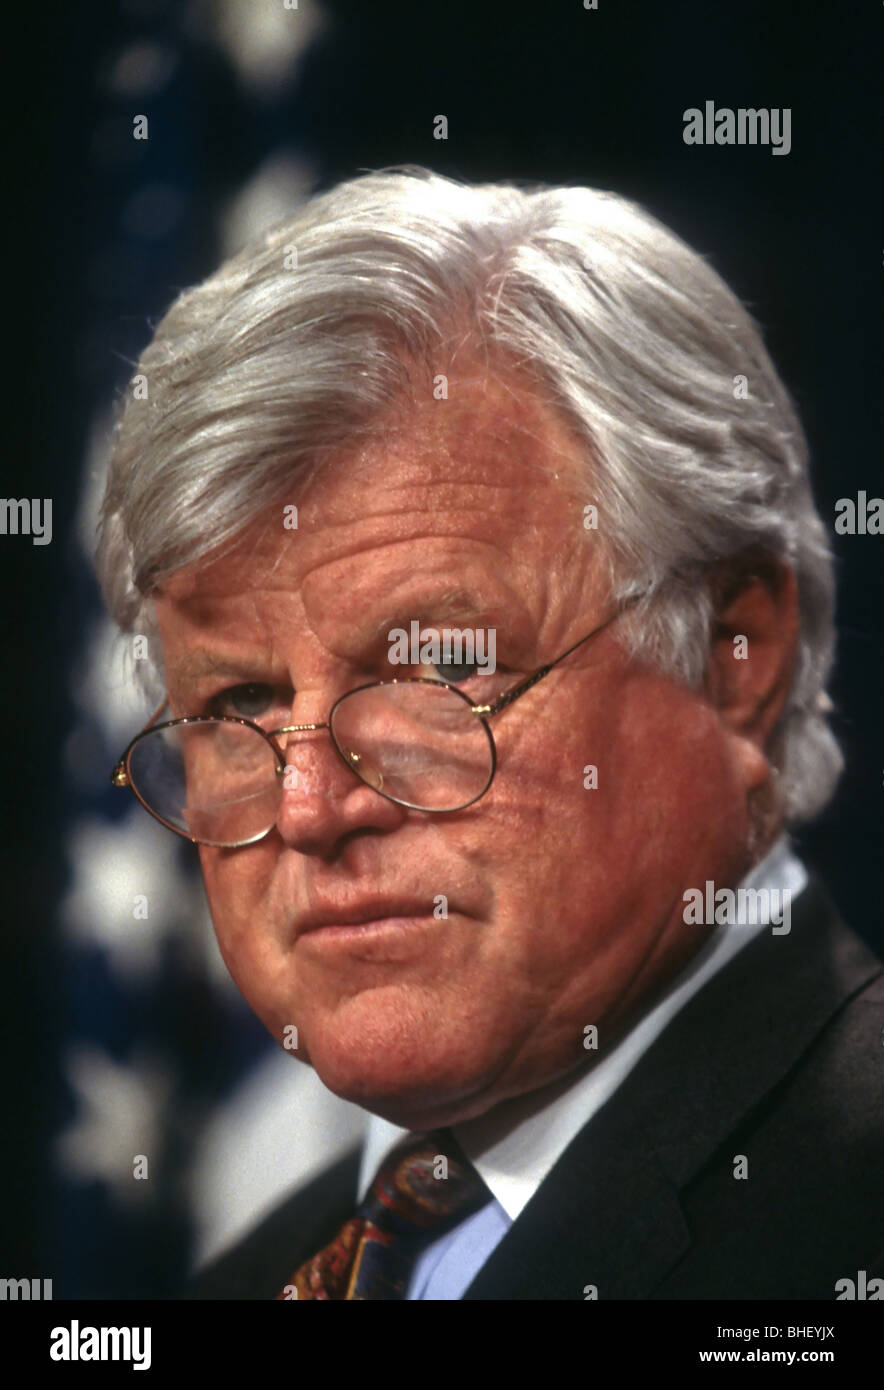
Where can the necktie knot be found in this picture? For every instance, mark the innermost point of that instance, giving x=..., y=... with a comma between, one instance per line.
x=424, y=1186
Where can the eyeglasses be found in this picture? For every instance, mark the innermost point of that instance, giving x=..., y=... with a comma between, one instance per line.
x=419, y=742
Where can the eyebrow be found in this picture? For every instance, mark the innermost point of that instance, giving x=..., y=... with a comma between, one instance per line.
x=456, y=606
x=202, y=661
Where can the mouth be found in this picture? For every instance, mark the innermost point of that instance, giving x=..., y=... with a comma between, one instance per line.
x=365, y=920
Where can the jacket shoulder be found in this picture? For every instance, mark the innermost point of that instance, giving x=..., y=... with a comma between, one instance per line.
x=792, y=1201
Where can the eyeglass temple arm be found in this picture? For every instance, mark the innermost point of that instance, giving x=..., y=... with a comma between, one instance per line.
x=509, y=696
x=120, y=777
x=156, y=714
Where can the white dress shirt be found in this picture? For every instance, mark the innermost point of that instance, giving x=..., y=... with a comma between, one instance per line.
x=516, y=1145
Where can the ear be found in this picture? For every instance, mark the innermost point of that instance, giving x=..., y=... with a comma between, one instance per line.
x=753, y=650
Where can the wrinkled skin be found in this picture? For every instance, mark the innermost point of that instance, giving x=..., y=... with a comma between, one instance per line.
x=565, y=904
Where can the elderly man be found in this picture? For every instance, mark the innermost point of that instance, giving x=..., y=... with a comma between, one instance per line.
x=520, y=885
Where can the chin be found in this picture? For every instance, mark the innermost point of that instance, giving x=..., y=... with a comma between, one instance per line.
x=415, y=1091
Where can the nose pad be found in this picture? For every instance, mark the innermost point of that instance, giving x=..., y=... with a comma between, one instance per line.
x=306, y=757
x=368, y=774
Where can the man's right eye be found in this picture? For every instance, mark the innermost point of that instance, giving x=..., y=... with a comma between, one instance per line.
x=242, y=701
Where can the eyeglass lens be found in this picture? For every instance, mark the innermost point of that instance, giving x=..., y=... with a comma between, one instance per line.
x=418, y=743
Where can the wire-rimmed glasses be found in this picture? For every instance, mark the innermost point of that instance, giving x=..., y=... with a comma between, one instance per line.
x=418, y=741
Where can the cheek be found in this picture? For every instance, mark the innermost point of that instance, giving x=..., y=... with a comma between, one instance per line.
x=236, y=883
x=549, y=772
x=538, y=835
x=620, y=791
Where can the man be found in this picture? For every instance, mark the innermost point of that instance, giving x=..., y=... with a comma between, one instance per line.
x=537, y=914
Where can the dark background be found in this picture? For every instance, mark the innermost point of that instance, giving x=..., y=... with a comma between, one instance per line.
x=532, y=91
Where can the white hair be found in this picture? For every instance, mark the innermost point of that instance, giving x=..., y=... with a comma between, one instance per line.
x=295, y=347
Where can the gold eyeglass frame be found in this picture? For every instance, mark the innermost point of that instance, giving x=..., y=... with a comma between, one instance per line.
x=120, y=775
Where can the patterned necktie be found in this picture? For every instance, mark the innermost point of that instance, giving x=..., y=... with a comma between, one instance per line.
x=423, y=1188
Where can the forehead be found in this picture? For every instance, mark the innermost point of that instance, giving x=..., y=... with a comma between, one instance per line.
x=477, y=496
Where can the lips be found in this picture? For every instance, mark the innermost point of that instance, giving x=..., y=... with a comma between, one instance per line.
x=358, y=914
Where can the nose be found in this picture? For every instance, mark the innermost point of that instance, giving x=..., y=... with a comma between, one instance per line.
x=322, y=802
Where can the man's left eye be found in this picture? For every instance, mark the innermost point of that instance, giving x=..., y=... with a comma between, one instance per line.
x=455, y=672
x=242, y=701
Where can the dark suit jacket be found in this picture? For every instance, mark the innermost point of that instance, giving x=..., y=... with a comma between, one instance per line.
x=780, y=1058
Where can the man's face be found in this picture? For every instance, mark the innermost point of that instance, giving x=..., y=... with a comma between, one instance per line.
x=564, y=902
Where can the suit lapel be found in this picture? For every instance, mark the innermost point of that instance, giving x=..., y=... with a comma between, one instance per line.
x=608, y=1214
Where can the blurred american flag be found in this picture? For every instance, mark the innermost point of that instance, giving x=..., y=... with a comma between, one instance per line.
x=180, y=1121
